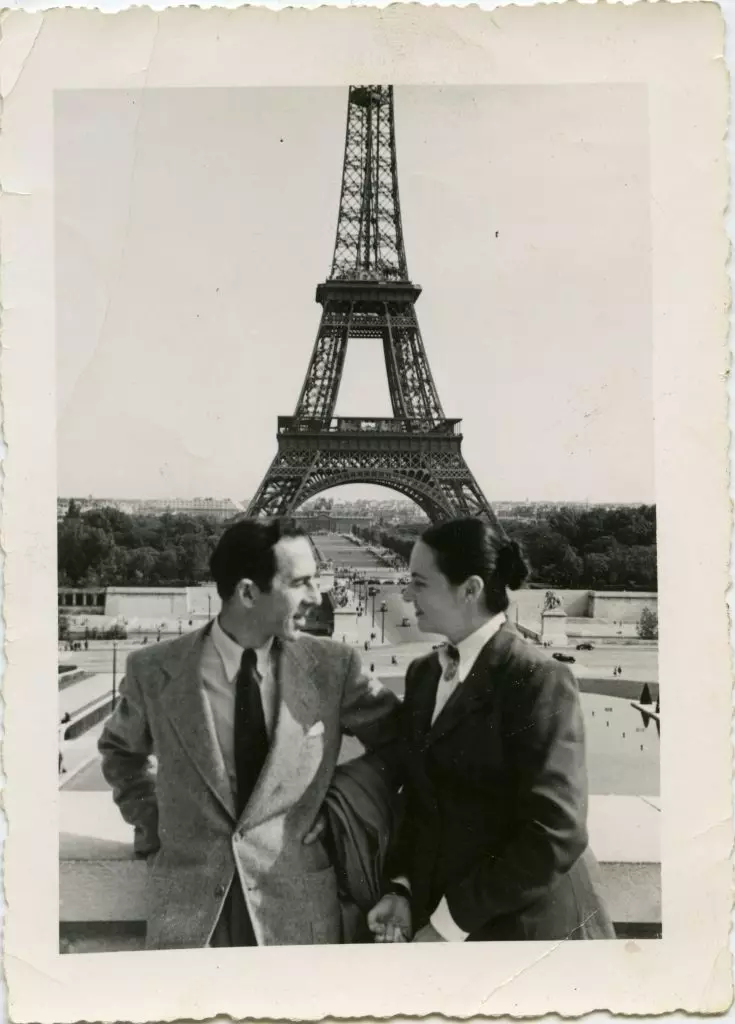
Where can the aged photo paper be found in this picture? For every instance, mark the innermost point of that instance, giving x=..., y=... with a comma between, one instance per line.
x=176, y=185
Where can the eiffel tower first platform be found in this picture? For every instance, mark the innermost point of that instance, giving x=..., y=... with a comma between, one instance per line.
x=369, y=295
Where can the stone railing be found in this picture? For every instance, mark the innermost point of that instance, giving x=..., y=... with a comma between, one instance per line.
x=101, y=883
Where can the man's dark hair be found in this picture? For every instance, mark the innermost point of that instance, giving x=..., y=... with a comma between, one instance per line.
x=245, y=551
x=470, y=547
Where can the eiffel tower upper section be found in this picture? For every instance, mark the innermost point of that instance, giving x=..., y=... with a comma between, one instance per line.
x=369, y=295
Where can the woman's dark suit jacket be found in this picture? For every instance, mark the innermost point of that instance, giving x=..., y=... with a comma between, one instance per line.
x=496, y=799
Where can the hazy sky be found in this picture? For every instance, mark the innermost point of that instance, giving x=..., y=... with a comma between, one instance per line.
x=192, y=227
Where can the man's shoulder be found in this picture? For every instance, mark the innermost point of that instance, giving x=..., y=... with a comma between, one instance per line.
x=322, y=648
x=152, y=657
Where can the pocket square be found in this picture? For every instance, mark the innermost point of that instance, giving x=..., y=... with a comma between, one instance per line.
x=316, y=730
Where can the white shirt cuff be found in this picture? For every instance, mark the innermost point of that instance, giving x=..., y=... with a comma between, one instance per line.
x=444, y=923
x=402, y=880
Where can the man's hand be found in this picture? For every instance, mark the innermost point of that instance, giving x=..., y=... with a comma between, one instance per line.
x=390, y=919
x=315, y=831
x=428, y=934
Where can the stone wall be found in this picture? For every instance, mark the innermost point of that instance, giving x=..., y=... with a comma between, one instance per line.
x=620, y=606
x=147, y=602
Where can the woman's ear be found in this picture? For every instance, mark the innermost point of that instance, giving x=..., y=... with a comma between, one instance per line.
x=474, y=587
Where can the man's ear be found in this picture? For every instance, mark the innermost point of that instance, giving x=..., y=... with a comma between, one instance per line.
x=246, y=592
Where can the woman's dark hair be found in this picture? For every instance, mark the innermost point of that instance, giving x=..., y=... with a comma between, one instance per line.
x=245, y=551
x=469, y=547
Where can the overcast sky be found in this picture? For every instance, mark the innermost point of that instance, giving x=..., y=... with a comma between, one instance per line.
x=192, y=227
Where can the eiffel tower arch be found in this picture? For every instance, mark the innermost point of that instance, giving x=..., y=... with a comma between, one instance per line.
x=369, y=294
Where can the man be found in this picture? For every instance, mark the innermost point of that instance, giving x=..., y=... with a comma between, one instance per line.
x=245, y=719
x=494, y=840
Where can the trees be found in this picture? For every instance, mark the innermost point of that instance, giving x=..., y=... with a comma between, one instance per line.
x=106, y=547
x=599, y=548
x=647, y=627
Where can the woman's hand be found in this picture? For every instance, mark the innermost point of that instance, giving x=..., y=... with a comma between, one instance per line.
x=390, y=919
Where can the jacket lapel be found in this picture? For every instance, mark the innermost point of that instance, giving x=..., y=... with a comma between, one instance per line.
x=293, y=757
x=424, y=699
x=185, y=703
x=477, y=688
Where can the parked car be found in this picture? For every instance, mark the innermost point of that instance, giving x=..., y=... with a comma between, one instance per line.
x=567, y=658
x=405, y=621
x=585, y=647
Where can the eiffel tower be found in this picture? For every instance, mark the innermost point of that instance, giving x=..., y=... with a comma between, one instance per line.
x=368, y=294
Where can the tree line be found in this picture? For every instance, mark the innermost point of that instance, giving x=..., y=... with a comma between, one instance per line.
x=595, y=549
x=108, y=548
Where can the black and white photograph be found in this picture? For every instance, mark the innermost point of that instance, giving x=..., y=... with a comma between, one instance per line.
x=361, y=540
x=451, y=542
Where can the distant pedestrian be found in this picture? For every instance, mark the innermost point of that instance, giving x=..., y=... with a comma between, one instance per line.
x=372, y=666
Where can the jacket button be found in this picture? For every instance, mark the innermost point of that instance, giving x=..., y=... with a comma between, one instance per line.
x=219, y=891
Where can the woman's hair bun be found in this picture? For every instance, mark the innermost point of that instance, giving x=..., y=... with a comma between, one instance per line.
x=511, y=566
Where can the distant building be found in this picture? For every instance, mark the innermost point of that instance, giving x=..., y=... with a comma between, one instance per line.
x=220, y=509
x=330, y=522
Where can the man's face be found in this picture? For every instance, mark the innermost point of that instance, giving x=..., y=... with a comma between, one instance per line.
x=439, y=605
x=294, y=590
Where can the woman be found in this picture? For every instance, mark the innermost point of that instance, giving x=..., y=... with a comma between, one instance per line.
x=494, y=841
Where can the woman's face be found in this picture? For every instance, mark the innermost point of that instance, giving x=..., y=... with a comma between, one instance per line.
x=440, y=606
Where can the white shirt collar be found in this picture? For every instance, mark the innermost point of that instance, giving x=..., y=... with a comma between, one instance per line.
x=470, y=647
x=231, y=652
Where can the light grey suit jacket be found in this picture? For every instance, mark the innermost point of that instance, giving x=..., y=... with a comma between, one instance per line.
x=183, y=809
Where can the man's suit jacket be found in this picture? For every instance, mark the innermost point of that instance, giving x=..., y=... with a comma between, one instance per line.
x=496, y=799
x=184, y=814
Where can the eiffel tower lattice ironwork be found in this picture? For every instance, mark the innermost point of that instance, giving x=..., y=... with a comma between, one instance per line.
x=368, y=294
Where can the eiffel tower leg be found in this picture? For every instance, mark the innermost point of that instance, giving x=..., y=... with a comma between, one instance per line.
x=461, y=494
x=277, y=493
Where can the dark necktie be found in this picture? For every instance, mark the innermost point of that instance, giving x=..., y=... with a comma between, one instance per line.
x=251, y=738
x=452, y=666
